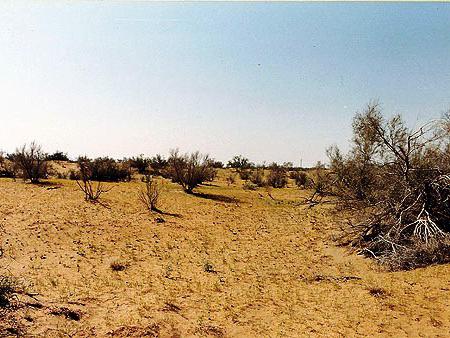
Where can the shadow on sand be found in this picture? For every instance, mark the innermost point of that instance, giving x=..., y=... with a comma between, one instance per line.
x=219, y=198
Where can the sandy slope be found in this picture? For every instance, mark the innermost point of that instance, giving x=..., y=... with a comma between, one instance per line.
x=249, y=267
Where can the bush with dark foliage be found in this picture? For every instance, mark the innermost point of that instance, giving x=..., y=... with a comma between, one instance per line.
x=190, y=170
x=102, y=169
x=109, y=170
x=217, y=164
x=301, y=179
x=140, y=163
x=239, y=162
x=159, y=166
x=7, y=167
x=57, y=156
x=278, y=176
x=257, y=177
x=31, y=161
x=92, y=191
x=244, y=174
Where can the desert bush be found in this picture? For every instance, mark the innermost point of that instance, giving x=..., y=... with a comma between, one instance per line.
x=31, y=161
x=62, y=176
x=249, y=186
x=244, y=174
x=301, y=179
x=321, y=181
x=150, y=194
x=57, y=156
x=7, y=167
x=277, y=177
x=400, y=179
x=92, y=191
x=211, y=174
x=217, y=164
x=109, y=170
x=159, y=166
x=239, y=162
x=140, y=163
x=257, y=177
x=231, y=178
x=293, y=174
x=287, y=165
x=102, y=169
x=418, y=255
x=190, y=170
x=74, y=175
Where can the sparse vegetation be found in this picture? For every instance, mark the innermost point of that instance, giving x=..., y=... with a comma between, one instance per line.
x=159, y=166
x=399, y=180
x=257, y=177
x=190, y=170
x=278, y=176
x=151, y=193
x=239, y=162
x=217, y=164
x=244, y=174
x=288, y=238
x=249, y=186
x=140, y=163
x=7, y=167
x=92, y=191
x=106, y=169
x=31, y=161
x=231, y=178
x=301, y=179
x=57, y=156
x=321, y=182
x=103, y=169
x=117, y=265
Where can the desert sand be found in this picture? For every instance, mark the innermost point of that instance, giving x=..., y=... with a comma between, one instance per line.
x=229, y=263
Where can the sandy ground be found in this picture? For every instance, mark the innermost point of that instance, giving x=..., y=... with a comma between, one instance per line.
x=233, y=263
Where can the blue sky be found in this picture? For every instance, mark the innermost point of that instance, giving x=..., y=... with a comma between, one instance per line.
x=272, y=81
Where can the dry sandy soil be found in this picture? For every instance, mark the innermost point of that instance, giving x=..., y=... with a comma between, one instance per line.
x=232, y=263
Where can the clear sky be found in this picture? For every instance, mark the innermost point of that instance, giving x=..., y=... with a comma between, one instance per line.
x=272, y=81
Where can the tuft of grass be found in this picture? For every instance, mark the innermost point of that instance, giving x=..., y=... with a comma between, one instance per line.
x=378, y=292
x=208, y=267
x=118, y=266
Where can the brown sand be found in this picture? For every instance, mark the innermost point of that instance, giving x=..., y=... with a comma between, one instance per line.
x=236, y=264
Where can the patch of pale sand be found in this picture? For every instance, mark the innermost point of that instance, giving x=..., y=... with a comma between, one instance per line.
x=255, y=267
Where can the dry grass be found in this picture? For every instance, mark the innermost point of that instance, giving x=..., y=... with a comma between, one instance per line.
x=232, y=263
